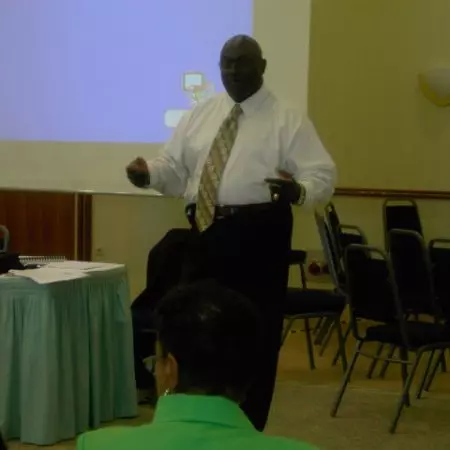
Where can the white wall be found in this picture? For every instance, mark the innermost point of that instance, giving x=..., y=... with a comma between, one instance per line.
x=364, y=97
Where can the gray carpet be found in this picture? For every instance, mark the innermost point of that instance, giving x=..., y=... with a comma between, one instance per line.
x=302, y=411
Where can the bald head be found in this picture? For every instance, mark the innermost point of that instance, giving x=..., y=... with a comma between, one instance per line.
x=242, y=67
x=243, y=44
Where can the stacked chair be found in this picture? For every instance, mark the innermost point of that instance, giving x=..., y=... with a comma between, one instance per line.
x=392, y=315
x=342, y=235
x=402, y=294
x=403, y=214
x=306, y=304
x=398, y=298
x=400, y=214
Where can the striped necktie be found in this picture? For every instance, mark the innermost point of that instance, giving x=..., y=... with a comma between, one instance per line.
x=214, y=167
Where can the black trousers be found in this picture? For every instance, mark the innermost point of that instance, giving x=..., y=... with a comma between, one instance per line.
x=248, y=252
x=164, y=265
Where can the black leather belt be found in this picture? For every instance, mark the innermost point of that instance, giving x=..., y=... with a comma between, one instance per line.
x=222, y=211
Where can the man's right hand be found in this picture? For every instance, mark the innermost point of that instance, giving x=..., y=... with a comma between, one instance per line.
x=138, y=173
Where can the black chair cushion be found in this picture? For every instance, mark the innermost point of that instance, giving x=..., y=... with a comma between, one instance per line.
x=313, y=301
x=419, y=334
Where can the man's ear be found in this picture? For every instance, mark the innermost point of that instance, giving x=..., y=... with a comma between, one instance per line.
x=263, y=66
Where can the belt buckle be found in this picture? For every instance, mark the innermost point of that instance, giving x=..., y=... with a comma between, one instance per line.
x=224, y=211
x=218, y=214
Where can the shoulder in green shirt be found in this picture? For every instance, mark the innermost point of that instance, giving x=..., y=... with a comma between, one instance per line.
x=184, y=422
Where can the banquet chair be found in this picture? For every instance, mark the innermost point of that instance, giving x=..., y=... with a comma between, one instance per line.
x=307, y=304
x=342, y=235
x=377, y=289
x=413, y=275
x=400, y=214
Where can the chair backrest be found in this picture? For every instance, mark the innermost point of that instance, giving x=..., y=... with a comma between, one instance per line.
x=4, y=238
x=330, y=255
x=439, y=253
x=334, y=223
x=342, y=235
x=400, y=214
x=371, y=289
x=327, y=246
x=413, y=272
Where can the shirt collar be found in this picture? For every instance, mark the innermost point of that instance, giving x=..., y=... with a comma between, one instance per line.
x=253, y=103
x=198, y=408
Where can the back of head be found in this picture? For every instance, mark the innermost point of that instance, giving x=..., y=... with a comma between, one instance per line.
x=214, y=334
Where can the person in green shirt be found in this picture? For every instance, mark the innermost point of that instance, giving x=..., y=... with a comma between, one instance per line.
x=208, y=345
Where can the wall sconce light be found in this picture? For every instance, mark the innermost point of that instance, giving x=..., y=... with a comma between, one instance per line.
x=435, y=85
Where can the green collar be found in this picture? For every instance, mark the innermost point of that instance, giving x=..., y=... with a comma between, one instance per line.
x=198, y=408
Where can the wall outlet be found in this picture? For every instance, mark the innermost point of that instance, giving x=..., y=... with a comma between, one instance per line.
x=99, y=253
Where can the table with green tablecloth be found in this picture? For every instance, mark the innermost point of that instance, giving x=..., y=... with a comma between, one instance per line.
x=66, y=356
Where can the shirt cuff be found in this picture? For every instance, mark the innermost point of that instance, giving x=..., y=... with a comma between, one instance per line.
x=153, y=175
x=305, y=193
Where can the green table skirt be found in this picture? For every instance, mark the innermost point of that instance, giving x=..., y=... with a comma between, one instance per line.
x=66, y=356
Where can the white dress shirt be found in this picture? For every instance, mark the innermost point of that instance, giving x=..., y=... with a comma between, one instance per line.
x=270, y=137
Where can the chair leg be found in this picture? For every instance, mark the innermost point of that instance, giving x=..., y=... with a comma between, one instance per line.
x=303, y=276
x=346, y=379
x=374, y=362
x=432, y=376
x=404, y=372
x=324, y=331
x=309, y=345
x=425, y=375
x=318, y=327
x=346, y=335
x=286, y=331
x=341, y=344
x=443, y=363
x=385, y=366
x=405, y=393
x=326, y=341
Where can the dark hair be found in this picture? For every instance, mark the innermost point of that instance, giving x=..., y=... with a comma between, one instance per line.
x=214, y=334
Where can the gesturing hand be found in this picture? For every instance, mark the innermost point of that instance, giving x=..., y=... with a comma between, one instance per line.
x=284, y=188
x=138, y=173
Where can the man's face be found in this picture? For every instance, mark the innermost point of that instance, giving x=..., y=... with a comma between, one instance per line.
x=242, y=70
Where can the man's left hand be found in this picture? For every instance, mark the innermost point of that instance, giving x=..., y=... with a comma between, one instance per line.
x=284, y=188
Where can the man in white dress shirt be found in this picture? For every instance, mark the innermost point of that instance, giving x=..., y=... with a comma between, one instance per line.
x=240, y=159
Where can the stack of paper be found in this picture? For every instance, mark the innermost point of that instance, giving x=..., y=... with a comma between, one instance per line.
x=57, y=271
x=46, y=275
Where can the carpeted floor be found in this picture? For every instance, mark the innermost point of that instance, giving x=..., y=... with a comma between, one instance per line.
x=303, y=400
x=301, y=411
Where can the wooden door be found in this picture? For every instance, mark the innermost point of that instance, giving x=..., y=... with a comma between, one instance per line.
x=45, y=223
